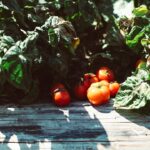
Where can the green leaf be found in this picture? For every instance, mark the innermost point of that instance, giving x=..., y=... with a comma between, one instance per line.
x=140, y=11
x=62, y=32
x=134, y=37
x=5, y=43
x=134, y=92
x=16, y=71
x=145, y=42
x=53, y=38
x=17, y=62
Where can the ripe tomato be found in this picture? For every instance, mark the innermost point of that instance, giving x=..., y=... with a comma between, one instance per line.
x=104, y=73
x=89, y=78
x=114, y=88
x=80, y=91
x=61, y=97
x=140, y=64
x=104, y=82
x=56, y=86
x=98, y=94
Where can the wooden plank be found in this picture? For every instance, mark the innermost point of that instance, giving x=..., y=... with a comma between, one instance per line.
x=93, y=123
x=36, y=129
x=82, y=113
x=76, y=146
x=40, y=106
x=36, y=134
x=44, y=109
x=51, y=117
x=81, y=124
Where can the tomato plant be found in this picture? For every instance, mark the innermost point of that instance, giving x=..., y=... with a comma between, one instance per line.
x=98, y=94
x=105, y=73
x=39, y=45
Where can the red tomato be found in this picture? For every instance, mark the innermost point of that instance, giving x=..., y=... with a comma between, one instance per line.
x=114, y=88
x=89, y=78
x=98, y=94
x=61, y=97
x=80, y=91
x=56, y=86
x=104, y=73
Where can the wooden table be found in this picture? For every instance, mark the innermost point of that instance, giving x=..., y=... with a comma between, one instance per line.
x=77, y=127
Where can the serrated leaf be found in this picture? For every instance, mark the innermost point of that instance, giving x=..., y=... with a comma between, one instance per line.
x=134, y=92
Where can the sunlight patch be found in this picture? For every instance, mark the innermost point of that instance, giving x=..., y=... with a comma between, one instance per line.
x=101, y=147
x=123, y=8
x=66, y=114
x=14, y=143
x=29, y=145
x=2, y=137
x=11, y=109
x=91, y=111
x=46, y=144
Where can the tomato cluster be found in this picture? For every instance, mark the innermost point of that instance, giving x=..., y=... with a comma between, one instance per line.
x=100, y=92
x=80, y=90
x=97, y=88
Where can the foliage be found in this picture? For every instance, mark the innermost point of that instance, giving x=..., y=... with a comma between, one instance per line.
x=39, y=44
x=135, y=91
x=137, y=30
x=25, y=53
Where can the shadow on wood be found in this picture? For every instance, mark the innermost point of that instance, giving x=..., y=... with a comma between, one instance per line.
x=48, y=127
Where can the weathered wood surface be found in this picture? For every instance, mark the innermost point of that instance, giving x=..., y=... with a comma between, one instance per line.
x=77, y=127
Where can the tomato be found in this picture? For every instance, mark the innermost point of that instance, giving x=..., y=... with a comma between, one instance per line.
x=98, y=94
x=104, y=82
x=80, y=91
x=61, y=97
x=114, y=88
x=56, y=86
x=89, y=78
x=104, y=73
x=140, y=64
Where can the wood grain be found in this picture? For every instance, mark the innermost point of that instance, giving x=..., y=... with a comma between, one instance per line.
x=79, y=126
